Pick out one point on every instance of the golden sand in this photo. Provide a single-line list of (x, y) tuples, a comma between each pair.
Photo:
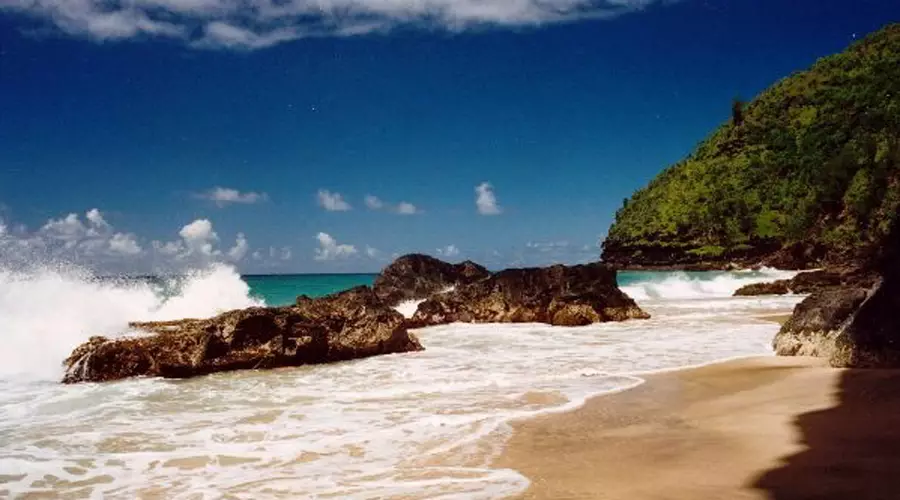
[(765, 428)]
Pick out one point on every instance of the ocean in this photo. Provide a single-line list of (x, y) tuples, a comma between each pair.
[(417, 425)]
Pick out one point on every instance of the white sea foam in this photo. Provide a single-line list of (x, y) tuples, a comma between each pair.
[(408, 307), (686, 285), (46, 312), (414, 425)]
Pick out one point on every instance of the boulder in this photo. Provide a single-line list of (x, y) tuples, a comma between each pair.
[(817, 322), (349, 325), (557, 295), (871, 339), (417, 277)]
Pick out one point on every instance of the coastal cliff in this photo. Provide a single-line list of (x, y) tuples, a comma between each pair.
[(805, 175)]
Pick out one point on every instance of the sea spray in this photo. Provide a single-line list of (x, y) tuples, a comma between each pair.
[(48, 311), (642, 286)]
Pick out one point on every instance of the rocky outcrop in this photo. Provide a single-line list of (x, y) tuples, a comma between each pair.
[(416, 277), (872, 337), (818, 321), (779, 287), (557, 295), (349, 325), (810, 282)]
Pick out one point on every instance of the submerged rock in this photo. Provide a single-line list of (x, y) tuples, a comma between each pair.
[(349, 325), (557, 295), (417, 277)]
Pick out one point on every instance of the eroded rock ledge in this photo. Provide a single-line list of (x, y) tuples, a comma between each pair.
[(357, 323), (349, 325), (558, 295)]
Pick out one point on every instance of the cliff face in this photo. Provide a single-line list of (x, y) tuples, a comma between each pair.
[(806, 174)]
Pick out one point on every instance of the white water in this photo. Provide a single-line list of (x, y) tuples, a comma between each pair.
[(45, 313), (414, 425)]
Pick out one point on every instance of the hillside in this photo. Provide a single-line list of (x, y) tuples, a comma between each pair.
[(805, 174)]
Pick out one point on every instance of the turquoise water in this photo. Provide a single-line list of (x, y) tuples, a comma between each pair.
[(282, 290)]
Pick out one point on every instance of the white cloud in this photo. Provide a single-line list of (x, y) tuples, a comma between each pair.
[(486, 200), (373, 202), (448, 251), (199, 237), (240, 248), (402, 208), (332, 202), (255, 24), (373, 253), (91, 241), (329, 249), (225, 196), (124, 244)]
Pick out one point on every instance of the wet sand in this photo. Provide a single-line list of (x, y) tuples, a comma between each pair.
[(762, 428)]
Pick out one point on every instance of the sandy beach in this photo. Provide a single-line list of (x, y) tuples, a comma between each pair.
[(761, 428)]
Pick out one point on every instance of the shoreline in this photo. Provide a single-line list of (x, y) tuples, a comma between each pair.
[(752, 428)]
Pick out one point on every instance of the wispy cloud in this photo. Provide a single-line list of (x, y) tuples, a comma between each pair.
[(486, 200), (226, 196), (448, 251), (330, 249), (403, 208), (256, 24), (332, 202)]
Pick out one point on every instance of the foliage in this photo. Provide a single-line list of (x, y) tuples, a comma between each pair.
[(815, 158)]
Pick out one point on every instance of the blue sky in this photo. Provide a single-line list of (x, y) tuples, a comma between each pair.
[(200, 130)]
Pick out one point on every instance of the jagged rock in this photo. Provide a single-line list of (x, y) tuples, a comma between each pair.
[(349, 325), (416, 277), (817, 321), (557, 295), (806, 283)]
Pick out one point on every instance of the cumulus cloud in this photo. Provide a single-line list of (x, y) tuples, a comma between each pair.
[(332, 202), (227, 196), (373, 253), (124, 244), (240, 248), (486, 200), (256, 24), (329, 249), (402, 208), (448, 251)]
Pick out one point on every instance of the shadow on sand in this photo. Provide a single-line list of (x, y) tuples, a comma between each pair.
[(852, 450)]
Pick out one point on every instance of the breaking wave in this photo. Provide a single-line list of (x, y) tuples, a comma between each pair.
[(46, 312)]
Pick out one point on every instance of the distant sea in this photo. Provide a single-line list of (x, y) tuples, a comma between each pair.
[(283, 289)]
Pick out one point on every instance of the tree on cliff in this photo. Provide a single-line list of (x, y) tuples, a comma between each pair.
[(814, 160)]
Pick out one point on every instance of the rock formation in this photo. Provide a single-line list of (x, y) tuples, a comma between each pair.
[(557, 295), (349, 325), (417, 277)]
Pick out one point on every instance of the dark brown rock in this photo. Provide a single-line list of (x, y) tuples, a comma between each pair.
[(872, 337), (557, 295), (810, 282), (779, 287), (349, 325), (416, 277), (817, 322)]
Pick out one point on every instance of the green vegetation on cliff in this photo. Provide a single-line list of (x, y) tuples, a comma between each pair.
[(815, 159)]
